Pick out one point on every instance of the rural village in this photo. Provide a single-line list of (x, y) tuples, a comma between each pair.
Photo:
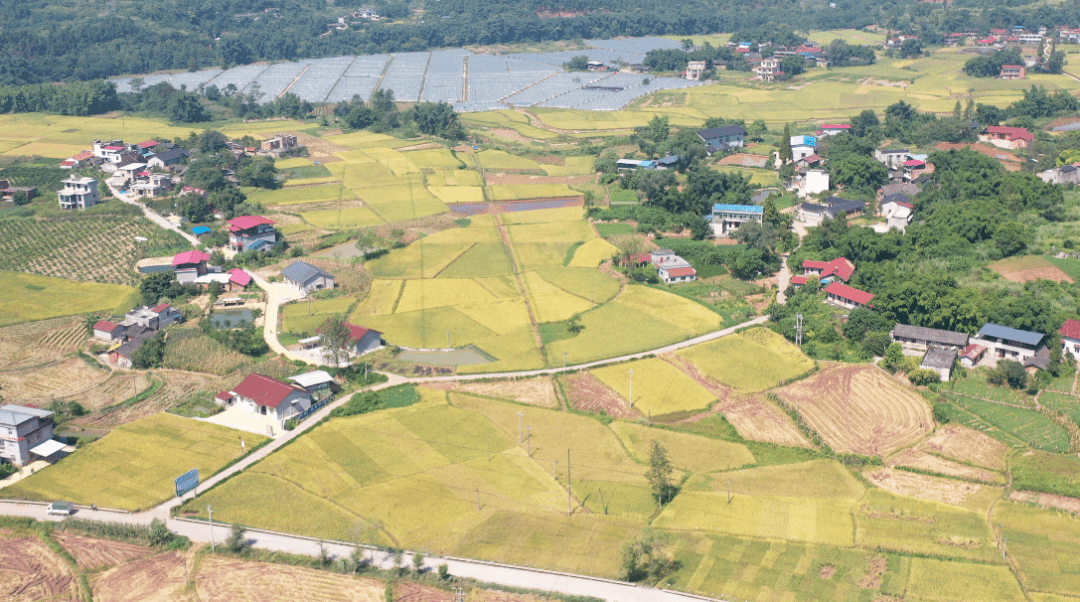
[(770, 314)]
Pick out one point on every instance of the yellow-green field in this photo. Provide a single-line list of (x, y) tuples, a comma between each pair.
[(134, 466), (753, 360), (658, 387), (29, 297)]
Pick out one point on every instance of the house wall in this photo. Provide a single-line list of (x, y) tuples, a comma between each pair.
[(1072, 346), (17, 440), (369, 342), (107, 336), (1005, 350), (842, 302)]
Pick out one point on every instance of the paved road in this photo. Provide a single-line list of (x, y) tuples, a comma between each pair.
[(276, 294), (153, 215)]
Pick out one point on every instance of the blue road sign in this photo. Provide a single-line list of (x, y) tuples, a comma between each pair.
[(187, 481)]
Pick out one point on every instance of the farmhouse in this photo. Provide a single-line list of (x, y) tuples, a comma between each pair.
[(845, 296), (809, 161), (1007, 137), (813, 181), (278, 143), (1066, 174), (1013, 72), (306, 278), (892, 158), (813, 214), (694, 69), (841, 267), (105, 330), (1070, 337), (832, 129), (78, 193), (122, 356), (189, 265), (921, 338), (802, 147), (668, 162), (625, 165), (26, 432), (768, 69), (723, 138), (364, 339), (154, 318), (238, 280), (251, 233), (940, 360), (167, 158), (725, 218), (151, 185), (318, 383), (1010, 343), (972, 355), (671, 268), (8, 192), (266, 396)]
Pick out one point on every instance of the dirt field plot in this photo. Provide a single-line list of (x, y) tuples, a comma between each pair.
[(155, 579), (30, 572), (34, 343), (913, 458), (38, 386), (96, 553), (588, 393), (860, 409), (966, 445), (1029, 267), (759, 420), (230, 580), (934, 489), (535, 391)]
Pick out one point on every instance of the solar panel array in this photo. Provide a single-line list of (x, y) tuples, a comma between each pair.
[(445, 81), (360, 78), (405, 75), (320, 77), (487, 81)]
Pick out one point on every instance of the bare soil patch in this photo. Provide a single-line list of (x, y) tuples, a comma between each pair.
[(41, 384), (744, 160), (1047, 500), (757, 419), (178, 386), (587, 393), (924, 461), (827, 571), (934, 489), (230, 580), (318, 147), (539, 391), (29, 571), (966, 445), (33, 343), (97, 553), (157, 578), (1028, 268), (860, 409), (511, 135), (875, 568)]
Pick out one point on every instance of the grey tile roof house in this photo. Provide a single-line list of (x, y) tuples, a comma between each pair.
[(306, 278), (921, 337)]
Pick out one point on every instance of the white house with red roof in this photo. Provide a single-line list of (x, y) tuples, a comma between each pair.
[(238, 280), (841, 268), (105, 330), (189, 265), (832, 129), (251, 233), (268, 397), (671, 268), (1007, 137), (843, 295), (1070, 337)]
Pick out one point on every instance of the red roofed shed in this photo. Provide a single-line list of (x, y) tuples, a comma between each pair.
[(190, 258), (846, 296)]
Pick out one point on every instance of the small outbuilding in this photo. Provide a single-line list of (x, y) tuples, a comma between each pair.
[(318, 383), (940, 360)]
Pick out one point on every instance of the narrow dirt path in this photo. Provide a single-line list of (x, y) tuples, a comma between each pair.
[(520, 282)]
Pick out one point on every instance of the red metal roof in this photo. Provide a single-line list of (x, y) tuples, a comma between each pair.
[(265, 391), (147, 144), (811, 158), (68, 162), (106, 326), (245, 222), (224, 395), (1071, 329), (914, 163), (973, 351), (999, 31), (908, 205), (83, 156), (798, 279), (836, 126), (356, 332), (113, 147), (850, 293), (1011, 132), (189, 257), (841, 266), (160, 308), (680, 272), (817, 265), (239, 276)]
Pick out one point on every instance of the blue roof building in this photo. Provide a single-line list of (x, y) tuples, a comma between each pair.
[(1011, 344), (200, 230), (727, 218)]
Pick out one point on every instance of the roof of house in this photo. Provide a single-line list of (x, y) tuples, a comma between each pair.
[(312, 379), (197, 230), (973, 351), (192, 256), (137, 336), (113, 148), (740, 208), (246, 222), (170, 154), (841, 266), (836, 126), (160, 308), (850, 293), (906, 188), (914, 163), (14, 415), (1040, 360), (668, 160), (892, 151), (932, 335), (1071, 329), (224, 395), (147, 144), (304, 273), (106, 326), (239, 276), (836, 204), (83, 156), (681, 272), (897, 197), (811, 158), (938, 358), (798, 279), (1011, 132), (265, 391), (356, 332), (1011, 334), (187, 189), (726, 130)]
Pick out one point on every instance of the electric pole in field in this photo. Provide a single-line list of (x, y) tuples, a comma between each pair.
[(798, 330), (568, 494), (631, 373), (521, 415), (210, 509)]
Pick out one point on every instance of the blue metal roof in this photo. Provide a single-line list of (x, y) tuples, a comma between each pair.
[(200, 230), (743, 208), (647, 163), (1011, 334)]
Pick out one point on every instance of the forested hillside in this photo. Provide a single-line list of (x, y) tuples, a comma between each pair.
[(44, 42)]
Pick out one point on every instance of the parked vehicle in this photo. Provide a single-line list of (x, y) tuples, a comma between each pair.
[(61, 508)]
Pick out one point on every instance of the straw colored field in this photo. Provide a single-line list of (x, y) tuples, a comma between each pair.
[(134, 466), (482, 260), (759, 420), (537, 391), (503, 316), (295, 195), (521, 192), (80, 132), (458, 194), (684, 313), (562, 214), (402, 203), (440, 158), (586, 283), (551, 303), (381, 299), (860, 410), (1044, 543), (753, 360), (686, 452), (955, 492), (343, 218), (911, 458), (361, 140), (515, 350), (497, 159), (35, 343), (891, 522), (221, 579), (67, 378), (29, 297), (436, 328), (966, 445), (1029, 267), (33, 572), (453, 177), (660, 388), (593, 253), (439, 292), (339, 305), (421, 259), (942, 581)]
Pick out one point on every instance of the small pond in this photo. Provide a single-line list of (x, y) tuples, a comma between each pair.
[(154, 269), (457, 357), (231, 318)]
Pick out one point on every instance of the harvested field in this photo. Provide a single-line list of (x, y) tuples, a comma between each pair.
[(178, 386), (97, 553), (38, 386), (1029, 267), (759, 420), (929, 462), (537, 391), (34, 343), (585, 392), (29, 572), (155, 579), (1047, 500), (859, 409), (934, 489), (966, 445), (230, 580)]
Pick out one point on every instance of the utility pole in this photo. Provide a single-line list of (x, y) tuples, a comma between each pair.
[(555, 470), (520, 416), (213, 546), (528, 431), (478, 499), (631, 373), (489, 448), (564, 359), (798, 330), (568, 494)]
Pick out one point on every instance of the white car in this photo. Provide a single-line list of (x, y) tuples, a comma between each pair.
[(61, 508)]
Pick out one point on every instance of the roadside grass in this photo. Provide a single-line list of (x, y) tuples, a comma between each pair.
[(750, 361), (134, 466), (686, 452), (340, 305), (29, 297), (660, 387)]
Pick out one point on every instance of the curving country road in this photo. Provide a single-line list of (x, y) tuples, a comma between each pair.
[(152, 215)]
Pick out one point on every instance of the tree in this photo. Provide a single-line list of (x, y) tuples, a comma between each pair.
[(785, 145), (749, 264), (194, 208), (235, 52), (910, 48), (644, 557), (236, 542), (418, 562), (894, 356), (659, 473), (149, 354), (228, 200), (862, 124), (160, 535), (659, 129), (793, 65), (859, 173), (260, 173), (921, 377), (578, 63), (875, 343), (1010, 238), (1014, 373), (862, 320), (336, 340), (186, 108), (444, 571), (161, 285), (700, 229)]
